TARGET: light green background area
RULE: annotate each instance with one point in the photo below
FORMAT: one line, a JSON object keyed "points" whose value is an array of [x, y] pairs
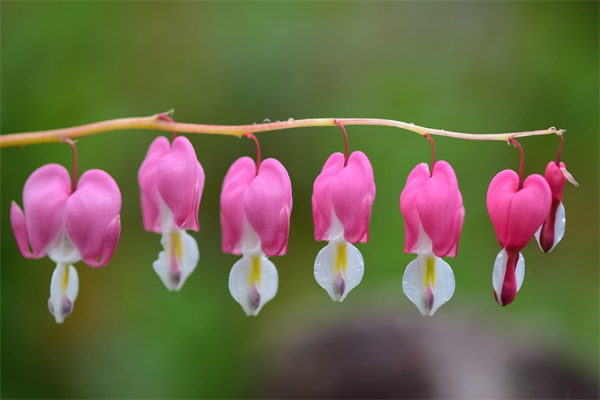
{"points": [[471, 67]]}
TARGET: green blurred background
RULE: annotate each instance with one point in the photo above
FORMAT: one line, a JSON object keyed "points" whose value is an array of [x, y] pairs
{"points": [[470, 67]]}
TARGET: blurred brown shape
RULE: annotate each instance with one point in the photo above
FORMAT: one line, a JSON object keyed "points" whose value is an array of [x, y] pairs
{"points": [[406, 357]]}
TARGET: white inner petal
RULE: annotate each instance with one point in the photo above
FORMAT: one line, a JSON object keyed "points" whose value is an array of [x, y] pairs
{"points": [[253, 281], [428, 282], [62, 250], [178, 260], [64, 288], [500, 271], [339, 267]]}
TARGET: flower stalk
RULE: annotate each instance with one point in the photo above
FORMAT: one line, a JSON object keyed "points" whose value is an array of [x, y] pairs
{"points": [[159, 122]]}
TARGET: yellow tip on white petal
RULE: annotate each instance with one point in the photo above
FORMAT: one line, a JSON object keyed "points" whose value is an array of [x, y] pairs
{"points": [[178, 260], [253, 281], [64, 288], [339, 267], [428, 282]]}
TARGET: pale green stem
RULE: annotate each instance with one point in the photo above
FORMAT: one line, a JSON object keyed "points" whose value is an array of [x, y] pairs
{"points": [[156, 123]]}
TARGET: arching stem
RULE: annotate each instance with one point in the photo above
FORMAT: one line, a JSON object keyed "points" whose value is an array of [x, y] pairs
{"points": [[156, 122], [516, 144], [432, 153], [338, 123], [251, 136], [74, 178]]}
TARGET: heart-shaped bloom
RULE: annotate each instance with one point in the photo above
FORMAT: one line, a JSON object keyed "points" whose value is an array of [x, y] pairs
{"points": [[342, 199], [68, 226], [433, 212], [553, 229], [516, 213], [171, 181], [255, 221]]}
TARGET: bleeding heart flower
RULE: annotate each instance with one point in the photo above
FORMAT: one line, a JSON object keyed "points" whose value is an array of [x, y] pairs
{"points": [[433, 213], [255, 220], [171, 181], [342, 200], [67, 226], [517, 212], [553, 229]]}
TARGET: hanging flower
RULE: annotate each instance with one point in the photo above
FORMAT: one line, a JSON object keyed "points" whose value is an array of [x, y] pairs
{"points": [[517, 211], [255, 219], [342, 200], [171, 181], [433, 212], [67, 225]]}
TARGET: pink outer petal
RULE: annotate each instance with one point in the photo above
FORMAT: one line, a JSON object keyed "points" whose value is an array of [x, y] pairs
{"points": [[408, 206], [268, 205], [44, 197], [441, 210], [147, 180], [517, 214], [92, 217], [321, 199], [237, 180], [352, 196], [180, 181]]}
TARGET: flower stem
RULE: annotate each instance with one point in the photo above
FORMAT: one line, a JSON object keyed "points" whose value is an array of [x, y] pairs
{"points": [[74, 179], [516, 144], [432, 152], [338, 123], [157, 122], [562, 141], [251, 136]]}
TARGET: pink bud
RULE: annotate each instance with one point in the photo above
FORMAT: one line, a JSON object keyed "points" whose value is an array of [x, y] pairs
{"points": [[83, 224], [432, 204], [256, 205], [345, 193], [171, 177], [517, 213]]}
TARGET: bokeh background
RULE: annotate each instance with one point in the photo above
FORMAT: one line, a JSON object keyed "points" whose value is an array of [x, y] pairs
{"points": [[466, 66]]}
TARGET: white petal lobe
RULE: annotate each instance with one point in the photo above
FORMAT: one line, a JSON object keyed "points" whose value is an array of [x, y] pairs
{"points": [[339, 267], [500, 271], [178, 260], [64, 288], [253, 281], [428, 282]]}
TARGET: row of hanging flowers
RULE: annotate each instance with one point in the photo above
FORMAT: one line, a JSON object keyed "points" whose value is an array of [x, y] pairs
{"points": [[71, 219]]}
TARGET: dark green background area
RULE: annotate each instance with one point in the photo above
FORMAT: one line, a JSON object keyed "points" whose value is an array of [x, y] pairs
{"points": [[471, 67]]}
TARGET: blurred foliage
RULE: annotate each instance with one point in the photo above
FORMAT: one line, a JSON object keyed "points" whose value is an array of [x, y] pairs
{"points": [[471, 67]]}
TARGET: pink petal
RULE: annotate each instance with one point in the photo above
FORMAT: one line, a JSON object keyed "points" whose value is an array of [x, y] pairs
{"points": [[517, 214], [408, 206], [441, 210], [180, 181], [237, 180], [321, 199], [352, 195], [147, 180], [44, 197], [268, 205], [92, 220]]}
